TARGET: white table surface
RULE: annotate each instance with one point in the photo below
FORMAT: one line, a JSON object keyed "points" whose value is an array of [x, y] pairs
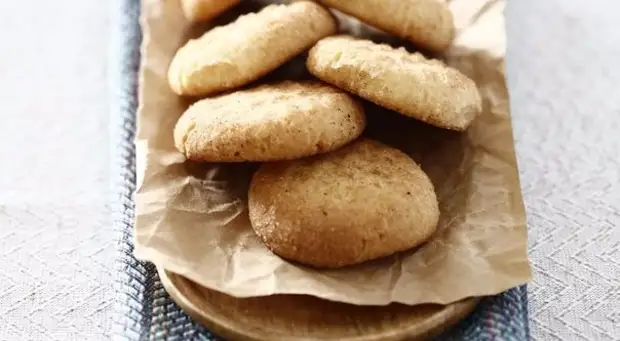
{"points": [[56, 241]]}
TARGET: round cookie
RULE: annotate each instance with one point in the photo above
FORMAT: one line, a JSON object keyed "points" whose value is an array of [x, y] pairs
{"points": [[281, 121], [236, 54], [408, 83], [426, 23], [205, 10], [358, 203]]}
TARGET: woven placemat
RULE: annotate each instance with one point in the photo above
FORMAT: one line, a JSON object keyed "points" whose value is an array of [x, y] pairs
{"points": [[143, 310]]}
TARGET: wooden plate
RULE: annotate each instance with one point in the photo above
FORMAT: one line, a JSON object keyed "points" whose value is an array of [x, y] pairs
{"points": [[306, 318]]}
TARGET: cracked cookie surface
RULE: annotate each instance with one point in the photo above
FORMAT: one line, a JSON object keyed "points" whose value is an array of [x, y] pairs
{"points": [[233, 55], [358, 203], [396, 79], [278, 121], [426, 23]]}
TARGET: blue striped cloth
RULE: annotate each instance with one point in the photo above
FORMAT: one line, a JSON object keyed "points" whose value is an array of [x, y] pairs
{"points": [[143, 310]]}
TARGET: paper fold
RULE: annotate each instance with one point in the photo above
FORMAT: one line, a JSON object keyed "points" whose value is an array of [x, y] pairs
{"points": [[192, 218]]}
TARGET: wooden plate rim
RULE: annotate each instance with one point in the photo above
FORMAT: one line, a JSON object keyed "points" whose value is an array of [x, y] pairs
{"points": [[441, 320]]}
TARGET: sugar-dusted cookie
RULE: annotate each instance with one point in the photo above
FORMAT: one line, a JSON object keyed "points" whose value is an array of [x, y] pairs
{"points": [[279, 121], [236, 54], [408, 83], [205, 10], [358, 203], [427, 23]]}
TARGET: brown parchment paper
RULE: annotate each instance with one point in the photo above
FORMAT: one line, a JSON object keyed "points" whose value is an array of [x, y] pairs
{"points": [[192, 218]]}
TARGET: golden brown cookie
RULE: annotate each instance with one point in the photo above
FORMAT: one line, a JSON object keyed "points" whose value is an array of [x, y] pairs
{"points": [[236, 54], [427, 23], [358, 203], [205, 10], [281, 121], [408, 83]]}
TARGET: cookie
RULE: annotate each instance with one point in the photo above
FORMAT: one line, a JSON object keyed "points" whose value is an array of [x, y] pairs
{"points": [[407, 83], [426, 23], [279, 121], [230, 56], [358, 203], [205, 10]]}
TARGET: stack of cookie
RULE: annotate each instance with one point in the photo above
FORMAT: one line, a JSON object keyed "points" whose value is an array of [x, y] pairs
{"points": [[324, 196]]}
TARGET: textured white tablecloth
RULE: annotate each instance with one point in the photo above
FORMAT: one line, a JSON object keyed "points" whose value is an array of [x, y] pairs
{"points": [[56, 242], [564, 76]]}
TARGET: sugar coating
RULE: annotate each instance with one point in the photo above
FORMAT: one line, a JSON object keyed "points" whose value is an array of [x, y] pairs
{"points": [[427, 23], [236, 54], [401, 81], [361, 202], [279, 121]]}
